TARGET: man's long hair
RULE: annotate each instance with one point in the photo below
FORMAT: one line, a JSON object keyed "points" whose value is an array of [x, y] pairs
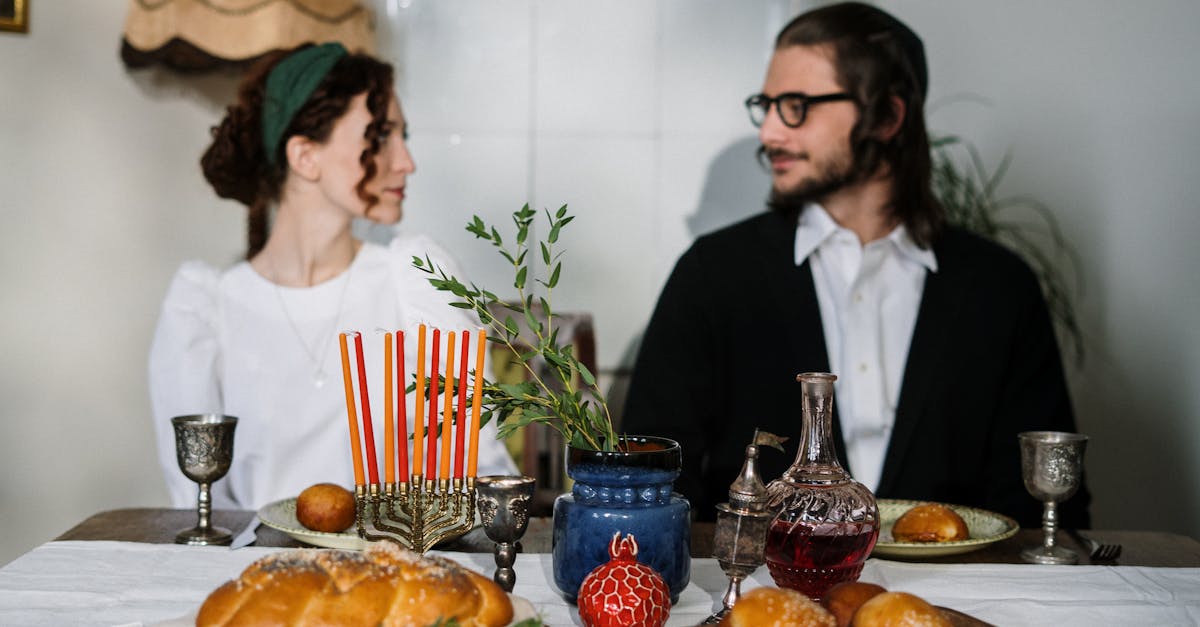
{"points": [[877, 57]]}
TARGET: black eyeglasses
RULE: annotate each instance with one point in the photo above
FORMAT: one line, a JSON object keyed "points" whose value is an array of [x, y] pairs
{"points": [[792, 107]]}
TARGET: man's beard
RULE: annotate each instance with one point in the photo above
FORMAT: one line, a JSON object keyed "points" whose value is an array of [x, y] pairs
{"points": [[831, 176]]}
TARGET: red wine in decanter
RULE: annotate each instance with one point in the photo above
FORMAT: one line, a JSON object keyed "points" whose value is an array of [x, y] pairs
{"points": [[811, 557]]}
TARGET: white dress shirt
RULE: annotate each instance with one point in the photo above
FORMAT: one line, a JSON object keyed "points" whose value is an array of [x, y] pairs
{"points": [[227, 342], [869, 296]]}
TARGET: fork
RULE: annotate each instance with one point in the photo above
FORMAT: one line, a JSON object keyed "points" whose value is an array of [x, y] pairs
{"points": [[1098, 551]]}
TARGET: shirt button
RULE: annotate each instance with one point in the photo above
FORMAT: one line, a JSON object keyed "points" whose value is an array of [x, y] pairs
{"points": [[858, 297], [862, 367]]}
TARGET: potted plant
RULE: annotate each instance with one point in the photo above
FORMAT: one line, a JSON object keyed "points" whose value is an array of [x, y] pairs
{"points": [[622, 483], [968, 194]]}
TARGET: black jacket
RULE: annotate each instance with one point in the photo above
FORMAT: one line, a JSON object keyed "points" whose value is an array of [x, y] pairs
{"points": [[738, 320]]}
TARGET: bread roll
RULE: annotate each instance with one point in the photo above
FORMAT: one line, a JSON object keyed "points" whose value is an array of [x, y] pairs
{"points": [[844, 599], [325, 507], [384, 585], [777, 607], [930, 522], [898, 609]]}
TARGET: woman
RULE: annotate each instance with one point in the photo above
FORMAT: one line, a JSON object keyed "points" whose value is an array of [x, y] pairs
{"points": [[318, 134]]}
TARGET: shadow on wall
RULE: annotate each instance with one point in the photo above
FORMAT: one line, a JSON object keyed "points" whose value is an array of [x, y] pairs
{"points": [[1141, 472], [735, 188], [215, 89]]}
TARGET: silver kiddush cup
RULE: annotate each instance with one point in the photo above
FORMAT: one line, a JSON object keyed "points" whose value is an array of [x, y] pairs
{"points": [[1052, 468], [204, 450], [503, 503]]}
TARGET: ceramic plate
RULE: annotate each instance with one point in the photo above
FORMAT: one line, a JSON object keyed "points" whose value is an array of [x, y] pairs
{"points": [[281, 515], [984, 527]]}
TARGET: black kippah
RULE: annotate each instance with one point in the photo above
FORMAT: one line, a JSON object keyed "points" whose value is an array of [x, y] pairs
{"points": [[910, 46]]}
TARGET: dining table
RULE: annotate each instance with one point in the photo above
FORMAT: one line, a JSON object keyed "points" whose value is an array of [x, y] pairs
{"points": [[122, 567]]}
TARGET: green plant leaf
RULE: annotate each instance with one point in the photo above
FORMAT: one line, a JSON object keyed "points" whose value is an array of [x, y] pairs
{"points": [[586, 374], [533, 323], [557, 399]]}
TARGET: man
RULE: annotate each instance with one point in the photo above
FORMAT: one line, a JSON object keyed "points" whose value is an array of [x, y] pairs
{"points": [[941, 340]]}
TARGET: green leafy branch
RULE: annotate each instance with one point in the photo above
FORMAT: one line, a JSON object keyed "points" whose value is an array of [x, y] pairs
{"points": [[969, 197], [551, 397]]}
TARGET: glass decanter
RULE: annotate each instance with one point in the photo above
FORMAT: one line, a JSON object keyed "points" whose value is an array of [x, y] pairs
{"points": [[826, 522]]}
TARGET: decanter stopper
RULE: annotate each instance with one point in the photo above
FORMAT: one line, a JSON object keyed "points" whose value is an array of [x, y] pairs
{"points": [[741, 531]]}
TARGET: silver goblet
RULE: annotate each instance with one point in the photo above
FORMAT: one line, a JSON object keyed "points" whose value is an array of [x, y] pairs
{"points": [[1052, 467], [503, 503], [204, 449]]}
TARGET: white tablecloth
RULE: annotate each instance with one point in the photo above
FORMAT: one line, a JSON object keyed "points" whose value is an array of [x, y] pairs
{"points": [[123, 583]]}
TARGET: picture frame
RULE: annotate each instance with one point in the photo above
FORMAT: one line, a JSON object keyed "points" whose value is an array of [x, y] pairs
{"points": [[14, 15]]}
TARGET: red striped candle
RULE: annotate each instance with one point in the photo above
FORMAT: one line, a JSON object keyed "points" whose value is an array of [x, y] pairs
{"points": [[431, 452], [460, 426], [368, 431], [389, 436], [402, 410]]}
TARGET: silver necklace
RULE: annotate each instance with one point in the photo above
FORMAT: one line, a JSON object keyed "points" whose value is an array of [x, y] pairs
{"points": [[326, 340]]}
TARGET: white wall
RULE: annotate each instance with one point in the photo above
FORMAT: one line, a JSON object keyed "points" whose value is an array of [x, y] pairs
{"points": [[1099, 105], [630, 112]]}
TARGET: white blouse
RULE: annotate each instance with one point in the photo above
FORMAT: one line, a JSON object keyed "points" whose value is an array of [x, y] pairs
{"points": [[237, 344]]}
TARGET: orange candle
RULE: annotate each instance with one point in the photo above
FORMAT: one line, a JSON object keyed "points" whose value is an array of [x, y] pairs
{"points": [[368, 430], [389, 435], [402, 410], [460, 420], [431, 452], [448, 412], [355, 451], [476, 400], [419, 402]]}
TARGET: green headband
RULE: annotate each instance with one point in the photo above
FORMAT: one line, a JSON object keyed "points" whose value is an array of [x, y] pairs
{"points": [[289, 85]]}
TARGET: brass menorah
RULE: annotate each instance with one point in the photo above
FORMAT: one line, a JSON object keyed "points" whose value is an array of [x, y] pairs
{"points": [[419, 510], [417, 514]]}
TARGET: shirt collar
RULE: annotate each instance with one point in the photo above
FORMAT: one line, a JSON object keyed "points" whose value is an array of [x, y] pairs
{"points": [[907, 247], [815, 226], [812, 229]]}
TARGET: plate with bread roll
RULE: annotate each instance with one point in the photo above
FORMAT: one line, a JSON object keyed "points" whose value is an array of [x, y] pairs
{"points": [[322, 515], [847, 604], [927, 529]]}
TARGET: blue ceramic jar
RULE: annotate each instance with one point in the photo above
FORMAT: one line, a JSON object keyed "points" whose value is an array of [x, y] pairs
{"points": [[628, 491]]}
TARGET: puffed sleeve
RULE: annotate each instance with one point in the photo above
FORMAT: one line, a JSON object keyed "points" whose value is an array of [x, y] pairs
{"points": [[184, 358], [433, 308]]}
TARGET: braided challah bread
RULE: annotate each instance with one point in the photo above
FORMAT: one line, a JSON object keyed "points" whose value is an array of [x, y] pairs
{"points": [[384, 585]]}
